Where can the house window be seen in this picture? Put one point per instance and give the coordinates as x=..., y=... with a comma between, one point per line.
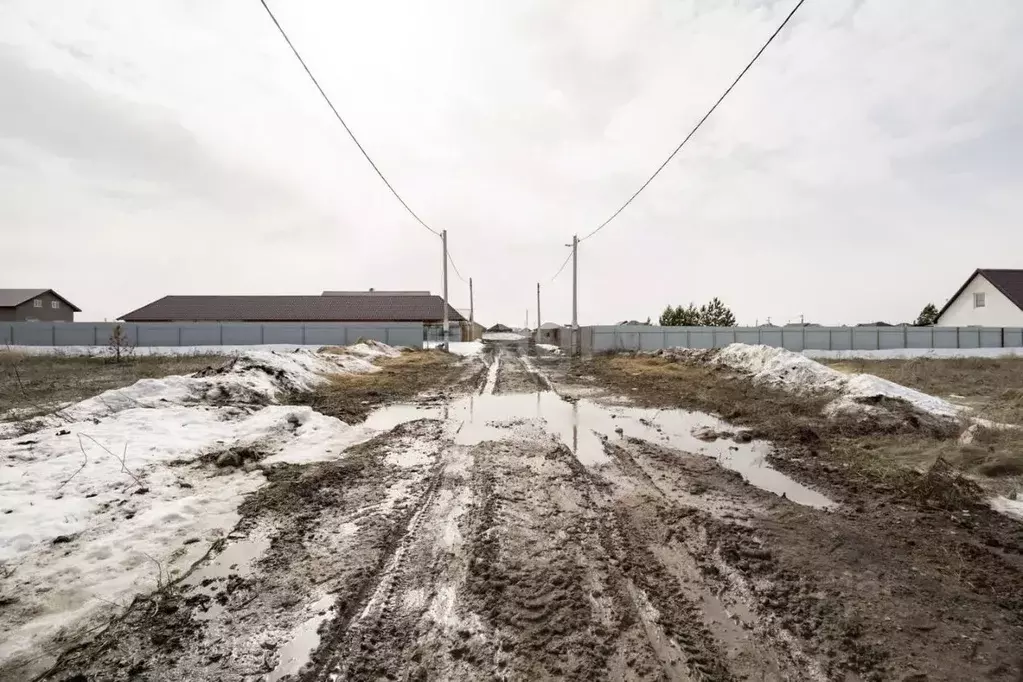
x=978, y=300
x=37, y=303
x=54, y=304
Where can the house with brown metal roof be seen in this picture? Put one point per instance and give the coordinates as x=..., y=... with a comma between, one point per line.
x=988, y=298
x=35, y=305
x=331, y=306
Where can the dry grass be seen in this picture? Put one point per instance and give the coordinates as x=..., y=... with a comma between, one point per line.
x=350, y=397
x=32, y=385
x=887, y=454
x=992, y=386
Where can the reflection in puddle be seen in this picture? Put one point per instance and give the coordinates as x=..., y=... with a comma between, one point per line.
x=582, y=425
x=236, y=559
x=305, y=638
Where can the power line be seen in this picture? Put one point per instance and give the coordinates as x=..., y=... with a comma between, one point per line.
x=341, y=120
x=452, y=261
x=562, y=267
x=699, y=123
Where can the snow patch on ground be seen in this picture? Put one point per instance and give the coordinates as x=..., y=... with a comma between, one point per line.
x=466, y=348
x=1007, y=506
x=503, y=336
x=101, y=508
x=798, y=373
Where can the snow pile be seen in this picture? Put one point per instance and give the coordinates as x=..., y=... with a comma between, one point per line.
x=465, y=349
x=131, y=487
x=1007, y=506
x=503, y=336
x=798, y=373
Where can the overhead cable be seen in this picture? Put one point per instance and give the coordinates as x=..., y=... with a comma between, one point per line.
x=342, y=121
x=698, y=124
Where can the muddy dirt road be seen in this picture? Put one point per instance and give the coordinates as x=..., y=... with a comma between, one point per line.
x=511, y=533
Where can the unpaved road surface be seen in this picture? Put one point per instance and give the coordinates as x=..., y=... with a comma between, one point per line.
x=510, y=533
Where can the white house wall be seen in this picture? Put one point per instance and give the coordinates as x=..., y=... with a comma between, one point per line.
x=998, y=310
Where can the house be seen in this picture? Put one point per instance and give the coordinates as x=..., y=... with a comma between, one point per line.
x=499, y=328
x=550, y=333
x=331, y=306
x=35, y=305
x=988, y=298
x=473, y=331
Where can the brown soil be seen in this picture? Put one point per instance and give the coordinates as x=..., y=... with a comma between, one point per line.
x=913, y=577
x=350, y=397
x=434, y=558
x=37, y=385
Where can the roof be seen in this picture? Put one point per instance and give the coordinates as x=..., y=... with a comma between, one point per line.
x=10, y=298
x=1009, y=282
x=550, y=325
x=368, y=308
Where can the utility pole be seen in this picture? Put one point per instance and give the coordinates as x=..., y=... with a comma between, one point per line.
x=539, y=320
x=444, y=333
x=575, y=296
x=472, y=317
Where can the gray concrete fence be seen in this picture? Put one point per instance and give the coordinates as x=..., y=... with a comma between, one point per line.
x=633, y=337
x=209, y=334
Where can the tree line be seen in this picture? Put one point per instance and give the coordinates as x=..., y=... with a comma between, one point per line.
x=712, y=314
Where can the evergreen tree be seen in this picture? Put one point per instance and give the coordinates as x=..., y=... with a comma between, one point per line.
x=716, y=314
x=668, y=318
x=928, y=316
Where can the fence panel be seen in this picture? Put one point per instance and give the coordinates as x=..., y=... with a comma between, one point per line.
x=1014, y=338
x=201, y=334
x=209, y=333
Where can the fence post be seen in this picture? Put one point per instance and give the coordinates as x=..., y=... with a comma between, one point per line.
x=664, y=338
x=932, y=336
x=303, y=333
x=689, y=344
x=1003, y=337
x=803, y=341
x=345, y=339
x=387, y=335
x=221, y=325
x=261, y=335
x=957, y=338
x=831, y=339
x=905, y=336
x=878, y=329
x=95, y=335
x=179, y=335
x=760, y=336
x=53, y=333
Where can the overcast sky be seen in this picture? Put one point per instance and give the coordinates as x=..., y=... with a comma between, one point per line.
x=866, y=164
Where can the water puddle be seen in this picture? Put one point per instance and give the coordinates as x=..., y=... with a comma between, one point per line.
x=236, y=559
x=583, y=425
x=304, y=640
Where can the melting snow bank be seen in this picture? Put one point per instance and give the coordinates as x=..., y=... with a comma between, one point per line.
x=136, y=484
x=798, y=373
x=1007, y=506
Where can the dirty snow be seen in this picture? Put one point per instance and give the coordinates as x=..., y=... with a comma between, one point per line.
x=503, y=336
x=1008, y=506
x=796, y=372
x=98, y=506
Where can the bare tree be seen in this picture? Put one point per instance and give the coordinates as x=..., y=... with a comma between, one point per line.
x=119, y=346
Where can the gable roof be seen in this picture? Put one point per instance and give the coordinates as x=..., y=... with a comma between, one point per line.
x=10, y=298
x=349, y=308
x=1009, y=282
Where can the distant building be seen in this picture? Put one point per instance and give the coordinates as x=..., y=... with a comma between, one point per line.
x=550, y=333
x=988, y=298
x=332, y=306
x=35, y=305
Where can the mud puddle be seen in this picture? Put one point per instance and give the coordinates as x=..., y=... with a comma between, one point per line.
x=584, y=426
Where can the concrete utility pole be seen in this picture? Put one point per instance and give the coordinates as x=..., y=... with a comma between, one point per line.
x=472, y=316
x=444, y=333
x=539, y=320
x=575, y=295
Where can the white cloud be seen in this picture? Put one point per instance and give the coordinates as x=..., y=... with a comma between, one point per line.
x=863, y=167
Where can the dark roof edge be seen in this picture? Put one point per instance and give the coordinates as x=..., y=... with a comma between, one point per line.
x=68, y=303
x=1009, y=295
x=980, y=271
